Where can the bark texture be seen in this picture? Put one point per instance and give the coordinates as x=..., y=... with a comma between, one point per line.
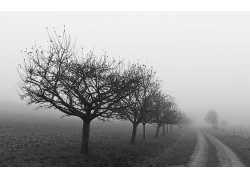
x=133, y=133
x=85, y=137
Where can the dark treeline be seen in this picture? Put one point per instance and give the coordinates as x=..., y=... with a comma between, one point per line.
x=90, y=87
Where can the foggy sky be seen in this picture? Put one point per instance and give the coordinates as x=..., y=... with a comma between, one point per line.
x=201, y=57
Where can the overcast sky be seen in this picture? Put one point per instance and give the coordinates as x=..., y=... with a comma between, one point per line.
x=203, y=58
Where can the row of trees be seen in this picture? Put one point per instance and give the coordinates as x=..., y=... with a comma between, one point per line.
x=90, y=87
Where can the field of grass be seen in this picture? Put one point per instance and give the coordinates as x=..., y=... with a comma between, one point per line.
x=57, y=143
x=179, y=154
x=241, y=146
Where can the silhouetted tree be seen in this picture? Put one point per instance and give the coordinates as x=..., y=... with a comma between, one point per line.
x=160, y=105
x=163, y=129
x=172, y=118
x=170, y=115
x=212, y=118
x=167, y=127
x=182, y=117
x=162, y=110
x=86, y=87
x=146, y=120
x=149, y=117
x=184, y=120
x=176, y=116
x=138, y=102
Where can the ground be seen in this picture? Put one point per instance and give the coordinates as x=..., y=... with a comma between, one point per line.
x=240, y=145
x=212, y=152
x=57, y=143
x=43, y=143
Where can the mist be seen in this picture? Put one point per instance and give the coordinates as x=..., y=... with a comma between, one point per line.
x=202, y=58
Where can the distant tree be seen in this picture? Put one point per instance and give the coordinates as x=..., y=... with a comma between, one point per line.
x=223, y=125
x=182, y=116
x=175, y=117
x=184, y=120
x=86, y=87
x=138, y=103
x=147, y=119
x=160, y=106
x=212, y=118
x=166, y=125
x=163, y=111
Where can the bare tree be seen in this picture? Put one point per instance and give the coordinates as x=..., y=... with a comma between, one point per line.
x=184, y=120
x=212, y=118
x=86, y=87
x=148, y=118
x=138, y=102
x=160, y=105
x=173, y=115
x=163, y=105
x=177, y=117
x=182, y=116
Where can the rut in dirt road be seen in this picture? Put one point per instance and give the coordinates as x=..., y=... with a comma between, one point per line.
x=225, y=155
x=199, y=157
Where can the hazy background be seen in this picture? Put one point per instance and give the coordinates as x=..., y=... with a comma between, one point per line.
x=202, y=57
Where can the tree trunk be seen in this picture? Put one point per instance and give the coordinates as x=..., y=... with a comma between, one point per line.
x=171, y=126
x=163, y=130
x=144, y=127
x=133, y=133
x=167, y=128
x=85, y=137
x=157, y=131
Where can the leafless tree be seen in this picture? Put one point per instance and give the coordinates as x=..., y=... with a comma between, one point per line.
x=176, y=117
x=146, y=120
x=160, y=105
x=173, y=115
x=138, y=102
x=150, y=115
x=184, y=120
x=181, y=117
x=212, y=118
x=163, y=109
x=87, y=87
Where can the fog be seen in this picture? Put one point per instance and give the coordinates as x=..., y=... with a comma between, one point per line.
x=202, y=58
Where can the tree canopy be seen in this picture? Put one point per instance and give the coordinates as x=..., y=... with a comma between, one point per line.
x=87, y=87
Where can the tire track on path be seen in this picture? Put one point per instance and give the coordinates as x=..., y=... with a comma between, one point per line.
x=226, y=157
x=199, y=158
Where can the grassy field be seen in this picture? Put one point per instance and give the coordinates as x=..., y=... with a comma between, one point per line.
x=179, y=154
x=241, y=146
x=57, y=143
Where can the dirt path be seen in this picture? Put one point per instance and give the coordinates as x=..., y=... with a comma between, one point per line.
x=225, y=155
x=199, y=157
